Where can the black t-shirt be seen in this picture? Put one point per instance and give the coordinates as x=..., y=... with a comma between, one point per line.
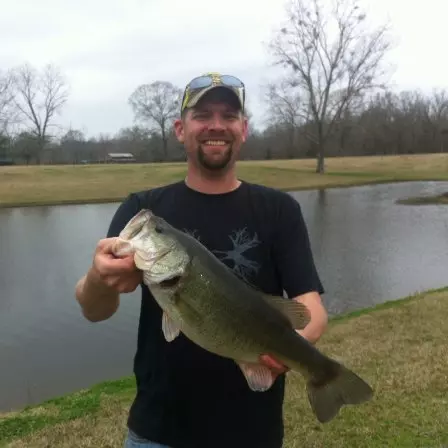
x=186, y=396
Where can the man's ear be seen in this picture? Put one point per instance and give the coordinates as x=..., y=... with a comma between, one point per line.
x=179, y=130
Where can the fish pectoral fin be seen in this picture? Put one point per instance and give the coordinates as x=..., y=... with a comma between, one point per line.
x=297, y=313
x=258, y=377
x=170, y=329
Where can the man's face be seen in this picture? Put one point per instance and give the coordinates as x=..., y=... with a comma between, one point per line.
x=213, y=131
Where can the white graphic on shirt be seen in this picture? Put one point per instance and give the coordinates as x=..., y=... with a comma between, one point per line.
x=241, y=242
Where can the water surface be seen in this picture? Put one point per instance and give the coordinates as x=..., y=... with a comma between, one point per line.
x=367, y=249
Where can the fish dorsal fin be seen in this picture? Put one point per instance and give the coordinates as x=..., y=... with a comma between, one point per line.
x=297, y=313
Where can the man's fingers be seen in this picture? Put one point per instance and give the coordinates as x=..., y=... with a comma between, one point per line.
x=276, y=366
x=117, y=272
x=121, y=284
x=110, y=245
x=105, y=245
x=108, y=265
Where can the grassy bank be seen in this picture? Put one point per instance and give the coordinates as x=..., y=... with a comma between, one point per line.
x=399, y=347
x=438, y=199
x=46, y=185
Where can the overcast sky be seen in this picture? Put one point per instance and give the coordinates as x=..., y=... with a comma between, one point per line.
x=106, y=49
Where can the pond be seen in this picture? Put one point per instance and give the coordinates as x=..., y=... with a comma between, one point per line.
x=367, y=250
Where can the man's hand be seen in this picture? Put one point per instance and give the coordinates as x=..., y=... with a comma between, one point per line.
x=311, y=332
x=276, y=367
x=98, y=292
x=119, y=274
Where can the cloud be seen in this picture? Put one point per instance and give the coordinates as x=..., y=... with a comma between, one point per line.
x=106, y=49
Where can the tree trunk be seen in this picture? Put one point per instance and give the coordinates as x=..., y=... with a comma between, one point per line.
x=320, y=149
x=165, y=144
x=320, y=159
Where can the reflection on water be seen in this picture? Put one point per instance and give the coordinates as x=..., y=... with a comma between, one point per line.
x=367, y=250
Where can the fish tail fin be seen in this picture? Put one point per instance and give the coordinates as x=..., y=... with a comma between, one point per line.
x=343, y=387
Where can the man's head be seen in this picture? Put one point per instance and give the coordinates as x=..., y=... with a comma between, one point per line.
x=213, y=126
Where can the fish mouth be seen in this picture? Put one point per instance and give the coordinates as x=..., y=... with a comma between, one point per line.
x=135, y=225
x=164, y=280
x=146, y=263
x=170, y=282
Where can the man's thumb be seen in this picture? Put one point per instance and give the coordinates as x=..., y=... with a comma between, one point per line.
x=121, y=248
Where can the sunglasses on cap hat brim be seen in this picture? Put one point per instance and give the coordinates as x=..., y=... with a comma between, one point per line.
x=199, y=86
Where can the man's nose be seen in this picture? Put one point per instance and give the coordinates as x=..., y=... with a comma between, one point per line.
x=216, y=123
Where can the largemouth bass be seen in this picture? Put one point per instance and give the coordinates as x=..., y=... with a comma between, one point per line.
x=201, y=297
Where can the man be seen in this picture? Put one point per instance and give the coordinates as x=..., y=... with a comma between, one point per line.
x=186, y=396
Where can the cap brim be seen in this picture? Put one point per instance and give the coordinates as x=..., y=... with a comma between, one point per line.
x=197, y=96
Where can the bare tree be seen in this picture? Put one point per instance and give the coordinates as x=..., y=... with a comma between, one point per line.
x=285, y=110
x=39, y=97
x=333, y=58
x=157, y=104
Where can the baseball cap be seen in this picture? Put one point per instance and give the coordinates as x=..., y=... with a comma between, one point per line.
x=200, y=85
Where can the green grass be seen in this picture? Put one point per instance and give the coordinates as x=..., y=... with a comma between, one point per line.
x=48, y=185
x=63, y=409
x=399, y=347
x=387, y=305
x=438, y=199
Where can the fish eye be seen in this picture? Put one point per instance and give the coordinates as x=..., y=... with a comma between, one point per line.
x=158, y=229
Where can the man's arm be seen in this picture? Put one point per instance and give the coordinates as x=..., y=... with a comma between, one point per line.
x=293, y=256
x=298, y=274
x=97, y=300
x=319, y=317
x=98, y=291
x=312, y=332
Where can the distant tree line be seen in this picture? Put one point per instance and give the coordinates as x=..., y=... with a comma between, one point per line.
x=333, y=99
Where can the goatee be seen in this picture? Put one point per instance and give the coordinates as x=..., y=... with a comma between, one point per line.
x=214, y=164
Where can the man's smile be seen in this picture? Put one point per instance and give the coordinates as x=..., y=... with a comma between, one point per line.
x=215, y=143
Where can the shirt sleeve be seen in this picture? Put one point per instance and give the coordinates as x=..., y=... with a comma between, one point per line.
x=292, y=251
x=126, y=210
